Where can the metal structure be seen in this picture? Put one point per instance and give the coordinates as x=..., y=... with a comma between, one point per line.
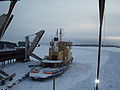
x=5, y=77
x=30, y=48
x=101, y=14
x=18, y=54
x=21, y=79
x=6, y=19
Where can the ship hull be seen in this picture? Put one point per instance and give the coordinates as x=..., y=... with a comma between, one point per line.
x=48, y=75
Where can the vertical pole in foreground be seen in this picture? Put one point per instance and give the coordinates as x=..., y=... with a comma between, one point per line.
x=54, y=83
x=101, y=14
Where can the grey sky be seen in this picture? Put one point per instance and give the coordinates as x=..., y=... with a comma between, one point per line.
x=79, y=18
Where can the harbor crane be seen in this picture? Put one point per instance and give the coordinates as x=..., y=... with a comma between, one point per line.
x=5, y=20
x=30, y=48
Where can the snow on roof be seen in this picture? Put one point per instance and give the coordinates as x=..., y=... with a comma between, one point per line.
x=6, y=49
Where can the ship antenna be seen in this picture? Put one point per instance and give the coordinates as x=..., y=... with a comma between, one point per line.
x=57, y=34
x=60, y=34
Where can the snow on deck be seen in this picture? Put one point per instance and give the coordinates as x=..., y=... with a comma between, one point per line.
x=80, y=75
x=52, y=61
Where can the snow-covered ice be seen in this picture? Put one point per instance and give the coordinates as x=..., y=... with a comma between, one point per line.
x=80, y=75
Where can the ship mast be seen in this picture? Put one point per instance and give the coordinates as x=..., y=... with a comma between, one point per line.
x=60, y=34
x=57, y=34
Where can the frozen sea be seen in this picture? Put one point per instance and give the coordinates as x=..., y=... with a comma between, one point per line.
x=80, y=75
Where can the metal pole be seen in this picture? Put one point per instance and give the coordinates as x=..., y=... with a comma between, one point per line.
x=101, y=14
x=27, y=58
x=99, y=54
x=54, y=83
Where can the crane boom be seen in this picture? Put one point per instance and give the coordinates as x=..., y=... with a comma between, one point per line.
x=36, y=40
x=30, y=48
x=5, y=19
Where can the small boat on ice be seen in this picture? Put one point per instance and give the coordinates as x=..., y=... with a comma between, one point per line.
x=58, y=61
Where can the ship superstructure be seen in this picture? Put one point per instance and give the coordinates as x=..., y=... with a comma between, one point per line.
x=59, y=53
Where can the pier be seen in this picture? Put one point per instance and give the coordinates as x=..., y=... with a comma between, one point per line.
x=16, y=55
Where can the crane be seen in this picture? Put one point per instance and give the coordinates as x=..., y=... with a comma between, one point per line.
x=5, y=19
x=30, y=48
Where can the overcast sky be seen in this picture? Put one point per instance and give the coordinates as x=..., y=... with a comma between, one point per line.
x=78, y=18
